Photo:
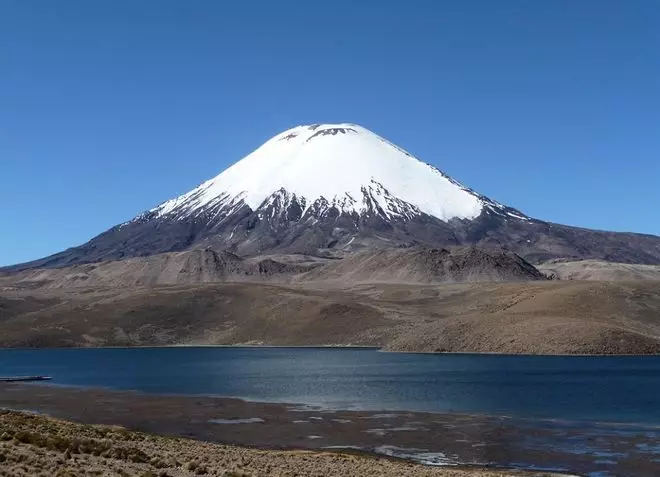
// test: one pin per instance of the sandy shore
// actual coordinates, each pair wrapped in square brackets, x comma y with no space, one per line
[33,445]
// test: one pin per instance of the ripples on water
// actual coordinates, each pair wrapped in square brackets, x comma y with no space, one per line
[620,389]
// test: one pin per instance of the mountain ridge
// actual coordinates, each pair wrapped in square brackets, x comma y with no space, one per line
[412,265]
[332,189]
[424,265]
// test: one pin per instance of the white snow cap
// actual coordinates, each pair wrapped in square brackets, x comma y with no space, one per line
[337,162]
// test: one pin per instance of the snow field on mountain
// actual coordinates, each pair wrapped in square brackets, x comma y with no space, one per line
[345,164]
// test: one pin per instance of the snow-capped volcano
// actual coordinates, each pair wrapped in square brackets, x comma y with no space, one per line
[341,166]
[330,189]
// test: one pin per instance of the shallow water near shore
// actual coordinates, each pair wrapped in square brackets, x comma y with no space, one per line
[585,415]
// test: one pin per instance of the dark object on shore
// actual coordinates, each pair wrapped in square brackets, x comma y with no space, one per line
[11,379]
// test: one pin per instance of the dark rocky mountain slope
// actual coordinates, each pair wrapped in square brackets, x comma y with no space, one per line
[328,190]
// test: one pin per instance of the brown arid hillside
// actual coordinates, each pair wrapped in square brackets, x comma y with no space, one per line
[412,265]
[425,265]
[552,317]
[417,299]
[176,268]
[543,318]
[599,270]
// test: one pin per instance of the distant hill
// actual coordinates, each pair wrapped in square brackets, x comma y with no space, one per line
[425,265]
[178,268]
[599,270]
[412,265]
[539,317]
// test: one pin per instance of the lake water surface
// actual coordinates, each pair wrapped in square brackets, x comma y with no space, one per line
[616,389]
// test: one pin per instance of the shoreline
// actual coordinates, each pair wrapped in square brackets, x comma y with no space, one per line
[339,347]
[447,440]
[38,442]
[312,408]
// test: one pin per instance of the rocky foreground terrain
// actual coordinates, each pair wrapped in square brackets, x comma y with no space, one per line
[32,445]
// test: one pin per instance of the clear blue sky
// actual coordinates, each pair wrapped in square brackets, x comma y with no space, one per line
[108,108]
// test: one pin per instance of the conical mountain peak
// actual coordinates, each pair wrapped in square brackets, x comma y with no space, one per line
[343,165]
[331,189]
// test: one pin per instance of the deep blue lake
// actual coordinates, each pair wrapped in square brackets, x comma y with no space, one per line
[619,389]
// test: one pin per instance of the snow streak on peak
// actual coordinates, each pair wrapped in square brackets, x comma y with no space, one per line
[344,165]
